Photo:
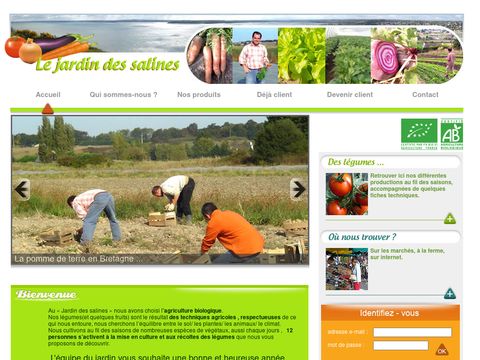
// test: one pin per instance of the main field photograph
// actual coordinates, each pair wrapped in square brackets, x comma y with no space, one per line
[159,189]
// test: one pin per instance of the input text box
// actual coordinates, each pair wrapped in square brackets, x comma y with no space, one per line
[400,345]
[412,332]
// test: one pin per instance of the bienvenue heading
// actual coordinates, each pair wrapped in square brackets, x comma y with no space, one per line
[87,64]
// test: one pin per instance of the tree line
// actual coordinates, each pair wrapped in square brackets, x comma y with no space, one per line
[277,139]
[214,131]
[56,141]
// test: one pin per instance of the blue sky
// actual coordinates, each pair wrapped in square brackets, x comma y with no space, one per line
[245,34]
[95,125]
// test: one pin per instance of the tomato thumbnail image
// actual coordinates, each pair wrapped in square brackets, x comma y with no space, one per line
[346,194]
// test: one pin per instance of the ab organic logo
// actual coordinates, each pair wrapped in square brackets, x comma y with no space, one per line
[419,134]
[451,134]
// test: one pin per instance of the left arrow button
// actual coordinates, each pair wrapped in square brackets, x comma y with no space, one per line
[23,189]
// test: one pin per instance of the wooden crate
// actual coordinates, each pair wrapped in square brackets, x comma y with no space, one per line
[268,258]
[53,237]
[174,258]
[291,253]
[203,259]
[296,252]
[295,227]
[162,219]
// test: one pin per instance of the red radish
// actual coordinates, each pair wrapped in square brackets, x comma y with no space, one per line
[194,49]
[207,62]
[384,63]
[216,49]
[223,54]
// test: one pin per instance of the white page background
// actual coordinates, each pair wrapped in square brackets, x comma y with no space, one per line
[467,97]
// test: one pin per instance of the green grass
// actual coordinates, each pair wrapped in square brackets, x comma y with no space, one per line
[431,73]
[20,151]
[440,62]
[351,59]
[260,194]
[261,211]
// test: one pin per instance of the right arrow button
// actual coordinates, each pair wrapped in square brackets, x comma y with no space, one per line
[296,189]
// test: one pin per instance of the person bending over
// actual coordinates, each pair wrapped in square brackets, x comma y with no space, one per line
[242,241]
[89,206]
[178,190]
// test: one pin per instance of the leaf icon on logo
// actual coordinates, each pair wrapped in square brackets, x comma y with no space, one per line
[419,130]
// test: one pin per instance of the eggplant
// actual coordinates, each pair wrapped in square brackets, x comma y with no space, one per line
[51,44]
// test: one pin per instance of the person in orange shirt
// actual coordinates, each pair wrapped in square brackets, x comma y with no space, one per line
[242,241]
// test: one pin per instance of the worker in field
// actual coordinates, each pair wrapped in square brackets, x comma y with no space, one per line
[178,190]
[89,206]
[253,58]
[234,232]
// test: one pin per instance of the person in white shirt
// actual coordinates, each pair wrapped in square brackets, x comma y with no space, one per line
[357,272]
[178,190]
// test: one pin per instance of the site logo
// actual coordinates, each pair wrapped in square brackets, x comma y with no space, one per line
[419,134]
[451,134]
[45,296]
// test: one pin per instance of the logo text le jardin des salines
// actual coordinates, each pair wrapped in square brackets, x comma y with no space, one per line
[45,296]
[419,134]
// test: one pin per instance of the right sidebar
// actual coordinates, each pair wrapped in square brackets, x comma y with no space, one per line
[391,238]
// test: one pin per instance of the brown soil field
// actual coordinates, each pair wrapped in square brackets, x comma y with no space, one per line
[260,194]
[137,237]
